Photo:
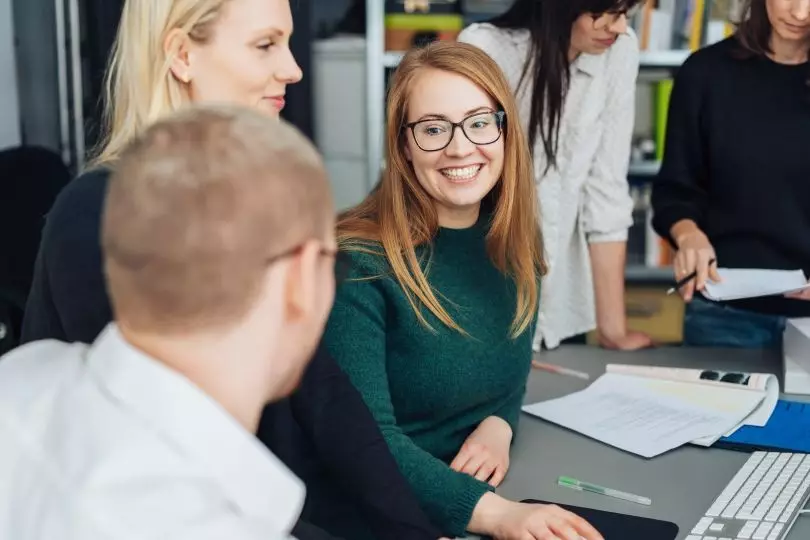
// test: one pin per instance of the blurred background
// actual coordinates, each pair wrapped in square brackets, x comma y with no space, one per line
[53,54]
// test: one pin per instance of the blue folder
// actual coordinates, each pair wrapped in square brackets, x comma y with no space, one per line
[788,430]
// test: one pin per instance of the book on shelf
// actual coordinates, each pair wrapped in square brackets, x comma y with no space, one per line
[684,24]
[644,246]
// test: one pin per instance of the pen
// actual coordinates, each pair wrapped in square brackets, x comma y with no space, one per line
[561,370]
[686,280]
[579,485]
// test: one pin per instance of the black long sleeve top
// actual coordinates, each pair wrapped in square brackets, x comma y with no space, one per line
[737,162]
[323,432]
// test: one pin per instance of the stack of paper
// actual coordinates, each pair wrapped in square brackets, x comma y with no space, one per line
[648,416]
[738,283]
[763,382]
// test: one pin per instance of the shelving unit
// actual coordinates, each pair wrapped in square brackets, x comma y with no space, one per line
[375,87]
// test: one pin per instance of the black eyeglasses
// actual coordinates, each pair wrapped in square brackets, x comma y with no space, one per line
[609,18]
[435,134]
[341,260]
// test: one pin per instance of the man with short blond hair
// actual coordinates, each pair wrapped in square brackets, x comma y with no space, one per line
[195,209]
[219,253]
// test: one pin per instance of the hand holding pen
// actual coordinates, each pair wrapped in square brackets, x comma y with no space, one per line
[695,263]
[690,278]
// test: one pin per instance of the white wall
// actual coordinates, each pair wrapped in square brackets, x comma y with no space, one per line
[9,101]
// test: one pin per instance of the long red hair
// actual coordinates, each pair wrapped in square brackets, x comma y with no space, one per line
[399,215]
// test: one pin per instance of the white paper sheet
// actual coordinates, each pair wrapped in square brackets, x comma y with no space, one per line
[741,283]
[648,417]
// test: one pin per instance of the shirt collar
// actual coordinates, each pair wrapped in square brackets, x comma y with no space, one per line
[590,64]
[251,477]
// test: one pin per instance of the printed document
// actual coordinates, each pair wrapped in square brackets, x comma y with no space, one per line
[647,416]
[762,382]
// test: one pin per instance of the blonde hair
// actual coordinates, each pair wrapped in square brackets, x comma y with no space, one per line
[400,215]
[139,87]
[197,206]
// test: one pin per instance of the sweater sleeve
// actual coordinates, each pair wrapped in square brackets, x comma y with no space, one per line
[678,191]
[331,411]
[607,208]
[68,299]
[356,337]
[510,412]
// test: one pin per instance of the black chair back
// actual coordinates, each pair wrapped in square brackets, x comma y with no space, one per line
[30,179]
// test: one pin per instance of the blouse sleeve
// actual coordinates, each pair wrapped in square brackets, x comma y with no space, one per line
[607,210]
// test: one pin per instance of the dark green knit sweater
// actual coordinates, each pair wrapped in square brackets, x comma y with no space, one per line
[430,390]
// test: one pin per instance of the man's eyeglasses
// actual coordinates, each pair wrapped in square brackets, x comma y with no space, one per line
[435,134]
[609,18]
[341,260]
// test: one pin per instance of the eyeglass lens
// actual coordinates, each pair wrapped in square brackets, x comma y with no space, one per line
[436,134]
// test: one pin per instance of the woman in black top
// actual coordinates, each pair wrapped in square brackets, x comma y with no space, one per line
[735,182]
[232,51]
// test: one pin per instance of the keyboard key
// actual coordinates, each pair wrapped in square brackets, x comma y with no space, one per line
[762,531]
[702,525]
[748,529]
[777,529]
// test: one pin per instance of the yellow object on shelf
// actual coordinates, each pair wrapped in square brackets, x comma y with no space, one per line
[412,21]
[403,29]
[696,36]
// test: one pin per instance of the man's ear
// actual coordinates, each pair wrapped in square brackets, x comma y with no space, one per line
[176,47]
[301,283]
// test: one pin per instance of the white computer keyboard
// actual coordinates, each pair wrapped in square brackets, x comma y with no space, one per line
[761,502]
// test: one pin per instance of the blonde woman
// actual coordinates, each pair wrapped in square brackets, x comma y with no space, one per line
[435,323]
[169,53]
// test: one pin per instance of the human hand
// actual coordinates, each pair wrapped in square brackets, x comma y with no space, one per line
[695,254]
[519,521]
[485,453]
[803,294]
[631,340]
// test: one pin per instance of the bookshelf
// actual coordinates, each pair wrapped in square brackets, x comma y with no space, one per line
[648,59]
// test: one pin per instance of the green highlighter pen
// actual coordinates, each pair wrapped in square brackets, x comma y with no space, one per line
[579,485]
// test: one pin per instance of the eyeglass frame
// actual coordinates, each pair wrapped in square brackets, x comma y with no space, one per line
[627,13]
[341,260]
[500,116]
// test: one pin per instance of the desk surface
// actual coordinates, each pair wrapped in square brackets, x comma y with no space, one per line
[682,483]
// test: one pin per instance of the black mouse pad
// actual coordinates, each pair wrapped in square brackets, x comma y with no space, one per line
[615,526]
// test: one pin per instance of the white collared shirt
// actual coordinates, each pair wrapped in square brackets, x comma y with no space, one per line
[586,197]
[103,442]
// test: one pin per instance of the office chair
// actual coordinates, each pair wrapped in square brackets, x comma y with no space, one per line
[30,179]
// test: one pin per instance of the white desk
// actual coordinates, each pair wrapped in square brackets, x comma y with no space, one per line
[682,484]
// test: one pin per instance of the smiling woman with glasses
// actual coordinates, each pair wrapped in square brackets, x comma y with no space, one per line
[573,66]
[434,323]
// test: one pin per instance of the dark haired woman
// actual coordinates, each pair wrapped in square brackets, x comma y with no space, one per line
[573,66]
[735,182]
